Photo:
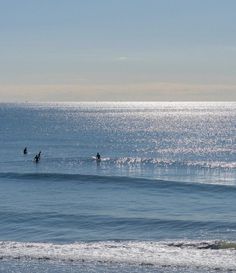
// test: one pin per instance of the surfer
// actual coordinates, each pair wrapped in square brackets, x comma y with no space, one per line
[25,151]
[98,157]
[36,158]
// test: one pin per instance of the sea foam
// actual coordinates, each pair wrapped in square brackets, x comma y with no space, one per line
[205,254]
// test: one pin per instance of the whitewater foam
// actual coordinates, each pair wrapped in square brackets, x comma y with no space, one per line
[207,254]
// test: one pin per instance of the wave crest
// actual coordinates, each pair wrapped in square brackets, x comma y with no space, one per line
[136,161]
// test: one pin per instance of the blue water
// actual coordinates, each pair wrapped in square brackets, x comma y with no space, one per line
[162,199]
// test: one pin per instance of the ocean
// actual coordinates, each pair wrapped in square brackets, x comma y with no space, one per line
[162,198]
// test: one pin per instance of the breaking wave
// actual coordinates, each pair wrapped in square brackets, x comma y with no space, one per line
[208,254]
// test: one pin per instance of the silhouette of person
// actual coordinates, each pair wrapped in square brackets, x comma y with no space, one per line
[36,158]
[25,151]
[39,154]
[98,157]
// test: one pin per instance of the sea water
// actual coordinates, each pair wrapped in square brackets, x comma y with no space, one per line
[162,198]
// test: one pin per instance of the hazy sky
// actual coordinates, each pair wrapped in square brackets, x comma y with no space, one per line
[72,50]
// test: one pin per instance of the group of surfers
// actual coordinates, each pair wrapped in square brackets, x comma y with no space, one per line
[38,156]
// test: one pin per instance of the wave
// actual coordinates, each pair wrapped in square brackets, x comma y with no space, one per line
[137,162]
[139,181]
[218,255]
[87,178]
[171,163]
[152,162]
[68,177]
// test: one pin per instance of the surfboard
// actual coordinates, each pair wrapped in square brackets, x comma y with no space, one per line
[94,158]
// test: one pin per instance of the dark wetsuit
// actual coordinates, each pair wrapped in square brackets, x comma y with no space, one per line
[36,158]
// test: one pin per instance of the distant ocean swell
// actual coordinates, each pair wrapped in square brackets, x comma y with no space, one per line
[218,255]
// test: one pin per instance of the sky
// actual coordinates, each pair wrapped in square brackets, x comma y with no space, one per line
[117,50]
